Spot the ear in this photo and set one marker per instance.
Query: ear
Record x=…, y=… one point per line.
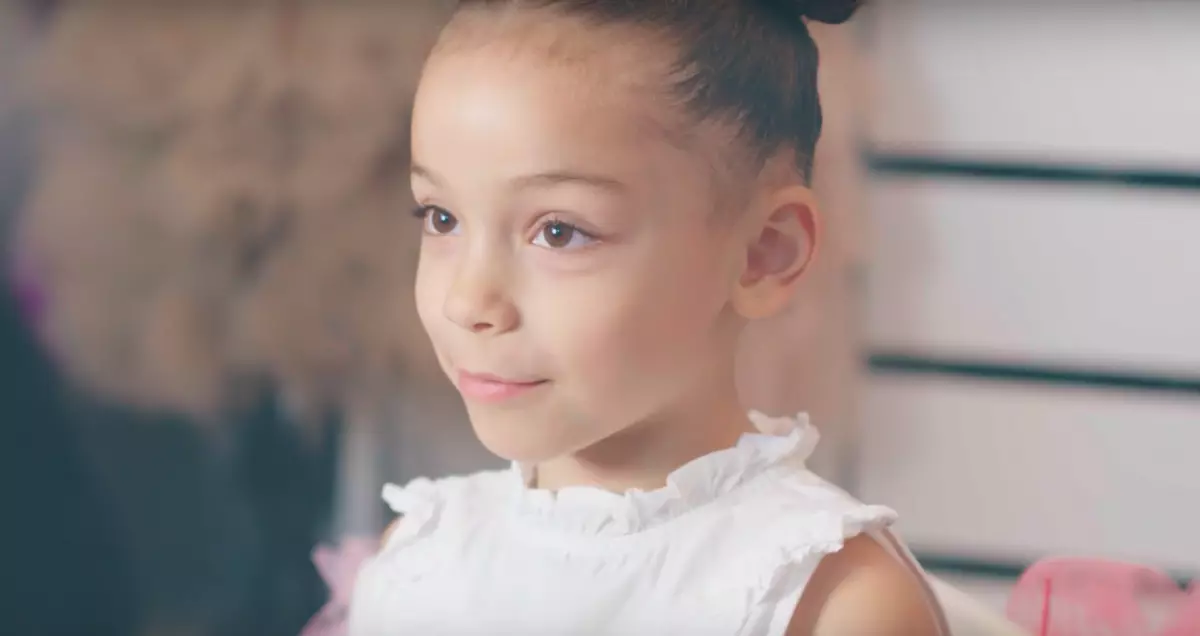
x=782, y=243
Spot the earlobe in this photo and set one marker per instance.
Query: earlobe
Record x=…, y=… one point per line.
x=781, y=246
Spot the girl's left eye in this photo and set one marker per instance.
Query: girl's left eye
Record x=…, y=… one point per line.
x=558, y=235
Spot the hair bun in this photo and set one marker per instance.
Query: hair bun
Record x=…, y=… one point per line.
x=827, y=11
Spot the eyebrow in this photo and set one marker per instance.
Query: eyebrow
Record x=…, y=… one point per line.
x=417, y=170
x=559, y=177
x=542, y=179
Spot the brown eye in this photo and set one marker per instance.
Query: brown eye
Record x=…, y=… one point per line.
x=558, y=235
x=438, y=221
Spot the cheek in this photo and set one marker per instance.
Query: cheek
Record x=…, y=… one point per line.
x=629, y=332
x=429, y=291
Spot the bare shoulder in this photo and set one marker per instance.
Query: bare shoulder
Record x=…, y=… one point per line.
x=862, y=589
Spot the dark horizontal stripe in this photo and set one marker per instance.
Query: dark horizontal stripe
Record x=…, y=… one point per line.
x=972, y=567
x=885, y=362
x=998, y=569
x=885, y=163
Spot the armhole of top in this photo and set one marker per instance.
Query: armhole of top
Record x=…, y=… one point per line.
x=390, y=532
x=894, y=548
x=887, y=540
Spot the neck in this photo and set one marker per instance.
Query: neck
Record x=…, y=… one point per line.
x=641, y=456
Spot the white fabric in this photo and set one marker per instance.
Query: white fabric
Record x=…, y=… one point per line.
x=726, y=547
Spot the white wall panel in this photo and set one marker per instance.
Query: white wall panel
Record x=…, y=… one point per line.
x=987, y=469
x=1090, y=276
x=1112, y=82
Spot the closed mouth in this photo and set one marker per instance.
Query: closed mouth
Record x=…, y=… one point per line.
x=486, y=387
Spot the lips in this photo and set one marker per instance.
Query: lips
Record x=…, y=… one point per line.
x=485, y=387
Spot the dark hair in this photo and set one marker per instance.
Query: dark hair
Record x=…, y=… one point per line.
x=751, y=63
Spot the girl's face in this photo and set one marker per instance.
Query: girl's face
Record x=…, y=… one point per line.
x=573, y=278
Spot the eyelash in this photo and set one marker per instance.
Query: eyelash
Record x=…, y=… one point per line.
x=422, y=212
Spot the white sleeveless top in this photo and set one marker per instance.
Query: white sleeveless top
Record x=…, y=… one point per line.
x=725, y=548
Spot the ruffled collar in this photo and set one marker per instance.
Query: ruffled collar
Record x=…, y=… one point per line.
x=594, y=511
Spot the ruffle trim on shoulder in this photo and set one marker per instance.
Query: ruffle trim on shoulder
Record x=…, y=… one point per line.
x=793, y=548
x=422, y=502
x=417, y=503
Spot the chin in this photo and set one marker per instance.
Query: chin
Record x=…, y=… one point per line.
x=520, y=436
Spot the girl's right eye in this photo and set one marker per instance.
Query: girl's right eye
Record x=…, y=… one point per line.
x=438, y=221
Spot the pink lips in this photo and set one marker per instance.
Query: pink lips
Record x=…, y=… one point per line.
x=483, y=387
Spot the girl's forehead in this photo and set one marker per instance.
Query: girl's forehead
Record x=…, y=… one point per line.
x=598, y=102
x=609, y=64
x=479, y=97
x=600, y=91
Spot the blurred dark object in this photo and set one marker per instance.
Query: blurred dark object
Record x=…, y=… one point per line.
x=120, y=520
x=40, y=11
x=221, y=526
x=289, y=483
x=65, y=569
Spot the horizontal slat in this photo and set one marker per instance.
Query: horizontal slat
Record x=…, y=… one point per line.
x=970, y=566
x=1101, y=278
x=1020, y=473
x=904, y=363
x=982, y=569
x=1113, y=81
x=897, y=164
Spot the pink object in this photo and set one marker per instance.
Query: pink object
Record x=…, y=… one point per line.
x=339, y=567
x=30, y=291
x=1092, y=597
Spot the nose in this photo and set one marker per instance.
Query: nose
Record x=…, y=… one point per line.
x=478, y=300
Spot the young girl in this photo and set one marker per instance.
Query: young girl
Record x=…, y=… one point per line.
x=610, y=191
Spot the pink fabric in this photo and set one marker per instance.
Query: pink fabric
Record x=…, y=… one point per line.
x=1085, y=597
x=338, y=566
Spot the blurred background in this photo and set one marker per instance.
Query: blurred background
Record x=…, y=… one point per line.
x=209, y=361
